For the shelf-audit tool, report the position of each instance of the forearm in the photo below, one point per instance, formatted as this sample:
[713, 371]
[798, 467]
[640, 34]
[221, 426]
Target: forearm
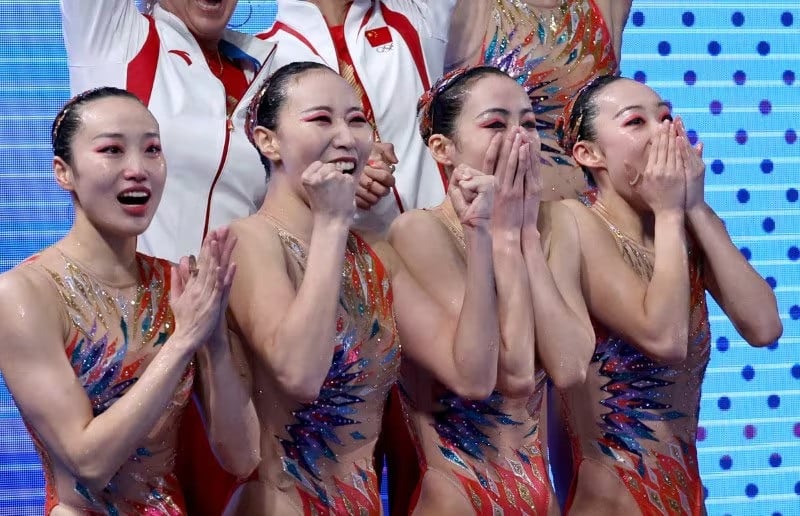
[109, 439]
[741, 291]
[230, 415]
[515, 308]
[476, 341]
[302, 350]
[666, 301]
[564, 342]
[106, 29]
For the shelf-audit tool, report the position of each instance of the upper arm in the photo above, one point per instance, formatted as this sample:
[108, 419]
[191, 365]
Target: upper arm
[437, 265]
[613, 292]
[564, 258]
[467, 31]
[262, 290]
[101, 30]
[615, 14]
[34, 364]
[428, 291]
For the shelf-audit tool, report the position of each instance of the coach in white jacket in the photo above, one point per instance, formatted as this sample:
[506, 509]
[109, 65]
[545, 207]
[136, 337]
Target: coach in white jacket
[197, 78]
[392, 51]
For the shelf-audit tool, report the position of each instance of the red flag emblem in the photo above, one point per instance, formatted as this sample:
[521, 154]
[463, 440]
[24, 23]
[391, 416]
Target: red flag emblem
[379, 37]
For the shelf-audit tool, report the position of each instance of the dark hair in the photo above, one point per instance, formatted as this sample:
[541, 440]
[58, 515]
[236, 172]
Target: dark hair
[267, 102]
[439, 107]
[68, 121]
[577, 121]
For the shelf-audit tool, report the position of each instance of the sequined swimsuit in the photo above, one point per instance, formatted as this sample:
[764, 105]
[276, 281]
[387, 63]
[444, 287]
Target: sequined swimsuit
[490, 449]
[325, 448]
[638, 417]
[552, 53]
[113, 335]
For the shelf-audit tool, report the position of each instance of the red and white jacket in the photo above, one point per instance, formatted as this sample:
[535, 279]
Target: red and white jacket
[214, 174]
[397, 48]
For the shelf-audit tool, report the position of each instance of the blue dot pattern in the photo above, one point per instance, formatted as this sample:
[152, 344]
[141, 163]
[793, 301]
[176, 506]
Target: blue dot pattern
[729, 70]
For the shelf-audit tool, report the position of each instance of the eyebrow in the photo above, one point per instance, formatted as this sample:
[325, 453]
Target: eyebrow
[328, 108]
[503, 112]
[120, 135]
[637, 106]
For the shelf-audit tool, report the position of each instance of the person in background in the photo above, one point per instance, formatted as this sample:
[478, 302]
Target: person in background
[552, 48]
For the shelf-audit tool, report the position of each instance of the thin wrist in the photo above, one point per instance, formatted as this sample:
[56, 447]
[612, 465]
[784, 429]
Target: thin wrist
[671, 214]
[699, 210]
[331, 224]
[182, 344]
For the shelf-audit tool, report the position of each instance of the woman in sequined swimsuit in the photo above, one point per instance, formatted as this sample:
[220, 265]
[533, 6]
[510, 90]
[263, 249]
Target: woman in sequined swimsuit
[480, 452]
[552, 48]
[314, 303]
[100, 345]
[650, 247]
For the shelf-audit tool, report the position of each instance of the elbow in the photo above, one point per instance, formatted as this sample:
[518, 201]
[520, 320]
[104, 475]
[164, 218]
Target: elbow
[671, 351]
[90, 473]
[764, 333]
[567, 378]
[516, 386]
[474, 389]
[300, 386]
[239, 461]
[473, 392]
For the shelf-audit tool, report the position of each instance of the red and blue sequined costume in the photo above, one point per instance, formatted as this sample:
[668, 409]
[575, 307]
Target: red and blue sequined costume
[324, 449]
[552, 53]
[114, 333]
[489, 450]
[637, 417]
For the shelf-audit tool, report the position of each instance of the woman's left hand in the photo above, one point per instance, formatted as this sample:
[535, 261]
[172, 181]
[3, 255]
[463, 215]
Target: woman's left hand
[695, 168]
[226, 242]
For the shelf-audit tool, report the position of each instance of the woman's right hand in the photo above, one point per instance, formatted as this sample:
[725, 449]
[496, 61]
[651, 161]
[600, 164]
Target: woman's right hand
[199, 290]
[662, 185]
[331, 192]
[509, 172]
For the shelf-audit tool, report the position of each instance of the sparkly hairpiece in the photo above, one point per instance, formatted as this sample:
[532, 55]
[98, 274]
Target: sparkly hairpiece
[69, 106]
[425, 103]
[251, 120]
[568, 133]
[568, 126]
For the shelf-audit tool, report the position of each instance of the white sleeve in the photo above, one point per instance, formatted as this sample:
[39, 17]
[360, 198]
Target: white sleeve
[431, 17]
[101, 31]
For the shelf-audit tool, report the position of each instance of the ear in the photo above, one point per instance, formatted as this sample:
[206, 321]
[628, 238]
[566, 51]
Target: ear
[441, 148]
[267, 143]
[588, 155]
[63, 173]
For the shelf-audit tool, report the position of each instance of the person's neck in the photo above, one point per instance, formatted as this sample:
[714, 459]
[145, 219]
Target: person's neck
[639, 225]
[111, 259]
[209, 45]
[334, 11]
[287, 208]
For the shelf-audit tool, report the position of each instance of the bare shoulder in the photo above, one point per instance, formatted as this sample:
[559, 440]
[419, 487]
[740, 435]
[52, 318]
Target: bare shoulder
[256, 235]
[28, 304]
[557, 225]
[592, 232]
[412, 225]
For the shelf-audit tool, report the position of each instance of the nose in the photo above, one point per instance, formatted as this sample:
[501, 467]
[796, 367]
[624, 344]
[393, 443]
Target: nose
[136, 168]
[344, 137]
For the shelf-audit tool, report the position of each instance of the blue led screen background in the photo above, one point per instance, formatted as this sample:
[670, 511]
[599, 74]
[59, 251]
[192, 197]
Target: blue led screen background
[728, 67]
